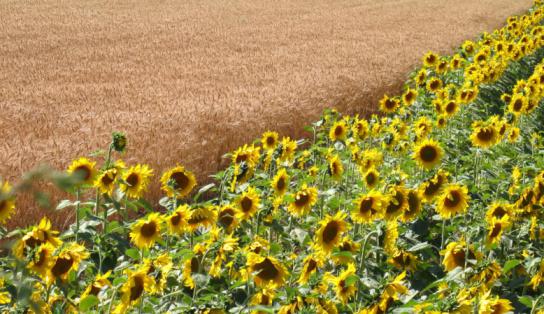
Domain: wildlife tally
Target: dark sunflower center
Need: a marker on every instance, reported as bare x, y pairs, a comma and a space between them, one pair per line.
62, 266
266, 270
431, 59
450, 107
518, 105
485, 135
195, 265
133, 179
370, 178
94, 289
196, 218
302, 199
175, 219
246, 204
499, 212
331, 232
270, 141
413, 203
137, 289
433, 186
3, 205
453, 199
181, 181
366, 205
434, 85
148, 229
311, 266
459, 257
84, 172
108, 178
338, 131
281, 184
265, 300
41, 258
226, 217
408, 97
428, 153
240, 158
392, 207
390, 104
496, 230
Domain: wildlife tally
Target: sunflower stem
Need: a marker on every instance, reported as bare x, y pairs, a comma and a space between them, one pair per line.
77, 214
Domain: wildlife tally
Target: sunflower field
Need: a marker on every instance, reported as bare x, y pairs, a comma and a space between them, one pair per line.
434, 206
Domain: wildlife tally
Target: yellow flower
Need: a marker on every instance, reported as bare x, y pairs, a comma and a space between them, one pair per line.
100, 282
248, 204
338, 131
264, 297
270, 140
203, 216
42, 261
132, 290
68, 259
288, 148
518, 104
484, 136
396, 287
415, 198
371, 177
451, 108
330, 232
513, 134
430, 59
360, 128
146, 231
105, 181
345, 284
158, 270
398, 202
494, 305
303, 201
178, 182
409, 96
7, 202
391, 236
369, 207
135, 180
84, 169
428, 153
5, 296
178, 221
498, 210
455, 255
453, 200
310, 265
335, 169
403, 260
537, 279
37, 236
496, 228
267, 271
434, 84
346, 246
227, 218
280, 182
388, 105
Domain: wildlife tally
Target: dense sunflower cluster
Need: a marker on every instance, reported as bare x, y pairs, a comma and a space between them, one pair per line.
436, 206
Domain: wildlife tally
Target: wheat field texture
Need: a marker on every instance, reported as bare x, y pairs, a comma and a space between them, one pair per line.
192, 80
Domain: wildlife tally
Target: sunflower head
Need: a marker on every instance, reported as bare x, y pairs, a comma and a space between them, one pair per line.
177, 221
280, 182
330, 232
303, 201
226, 217
269, 140
146, 231
68, 259
135, 180
403, 260
248, 203
83, 169
388, 105
415, 198
453, 200
310, 264
335, 167
484, 136
434, 84
202, 216
428, 153
344, 286
267, 271
433, 187
496, 228
371, 178
360, 128
455, 255
105, 181
398, 202
518, 104
338, 131
430, 59
178, 182
7, 202
137, 283
369, 207
288, 149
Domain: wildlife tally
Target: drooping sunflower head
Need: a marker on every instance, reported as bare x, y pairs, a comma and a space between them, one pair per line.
496, 228
484, 136
146, 231
398, 202
303, 201
280, 182
415, 198
226, 217
248, 203
42, 261
343, 285
288, 149
428, 153
369, 207
68, 259
178, 182
403, 260
453, 200
83, 169
97, 285
338, 131
455, 255
310, 264
494, 305
177, 221
335, 167
136, 180
38, 235
330, 232
267, 271
138, 282
270, 140
388, 105
7, 202
433, 187
202, 217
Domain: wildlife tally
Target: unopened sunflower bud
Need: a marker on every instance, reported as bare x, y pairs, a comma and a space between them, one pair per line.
119, 141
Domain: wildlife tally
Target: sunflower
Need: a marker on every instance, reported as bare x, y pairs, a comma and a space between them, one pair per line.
37, 236
421, 77
303, 201
422, 127
265, 297
310, 264
338, 131
388, 105
391, 237
456, 62
403, 260
455, 255
433, 187
415, 198
132, 290
177, 221
494, 305
68, 259
7, 202
453, 200
513, 134
226, 217
270, 140
518, 104
398, 202
428, 153
496, 227
288, 148
99, 283
135, 180
430, 59
267, 271
394, 289
360, 128
330, 232
498, 210
451, 108
248, 204
146, 231
434, 84
368, 207
178, 182
280, 182
371, 178
158, 269
484, 136
346, 246
105, 181
5, 297
371, 158
344, 286
83, 169
203, 216
335, 169
467, 94
42, 260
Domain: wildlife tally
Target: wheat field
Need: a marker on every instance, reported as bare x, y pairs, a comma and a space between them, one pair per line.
192, 80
